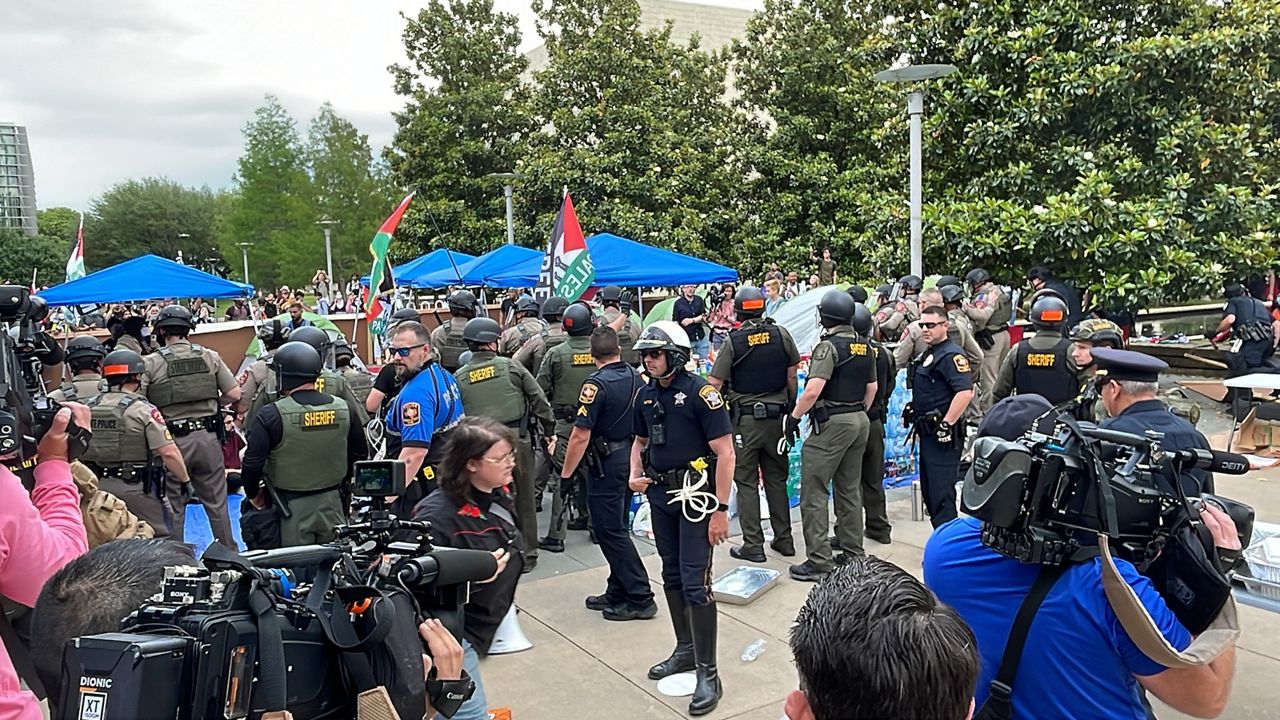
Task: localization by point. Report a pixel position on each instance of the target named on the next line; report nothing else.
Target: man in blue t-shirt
(428, 405)
(1078, 661)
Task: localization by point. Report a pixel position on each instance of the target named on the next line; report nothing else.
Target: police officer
(84, 355)
(447, 339)
(256, 378)
(1127, 385)
(1041, 279)
(756, 369)
(552, 335)
(329, 381)
(683, 428)
(131, 444)
(418, 420)
(528, 327)
(961, 327)
(1042, 364)
(502, 389)
(877, 526)
(909, 296)
(601, 439)
(842, 384)
(613, 299)
(130, 336)
(300, 450)
(188, 383)
(1085, 337)
(941, 388)
(990, 310)
(561, 376)
(358, 379)
(1254, 339)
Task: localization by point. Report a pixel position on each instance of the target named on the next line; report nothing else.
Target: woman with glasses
(474, 509)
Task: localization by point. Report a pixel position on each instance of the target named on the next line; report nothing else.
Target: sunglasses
(652, 353)
(404, 351)
(932, 325)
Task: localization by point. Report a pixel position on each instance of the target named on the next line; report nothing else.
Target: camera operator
(872, 642)
(38, 535)
(1127, 384)
(473, 509)
(1077, 661)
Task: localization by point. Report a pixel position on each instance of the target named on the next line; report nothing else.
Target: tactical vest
(312, 453)
(71, 393)
(575, 366)
(452, 348)
(553, 336)
(189, 379)
(847, 386)
(759, 359)
(360, 382)
(113, 444)
(1256, 328)
(1045, 372)
(1000, 308)
(884, 368)
(488, 390)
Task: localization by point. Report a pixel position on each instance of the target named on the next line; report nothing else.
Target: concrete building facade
(17, 180)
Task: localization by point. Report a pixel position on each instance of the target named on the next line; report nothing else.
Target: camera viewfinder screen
(374, 479)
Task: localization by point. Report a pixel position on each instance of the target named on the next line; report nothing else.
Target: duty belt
(672, 477)
(761, 410)
(612, 446)
(185, 426)
(563, 412)
(131, 474)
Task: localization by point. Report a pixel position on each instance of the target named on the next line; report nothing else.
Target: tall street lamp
(244, 253)
(508, 185)
(328, 246)
(915, 108)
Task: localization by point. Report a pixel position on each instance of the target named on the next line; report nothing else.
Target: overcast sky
(131, 88)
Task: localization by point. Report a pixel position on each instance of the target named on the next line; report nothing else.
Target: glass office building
(17, 180)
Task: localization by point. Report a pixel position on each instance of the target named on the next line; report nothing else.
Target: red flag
(380, 278)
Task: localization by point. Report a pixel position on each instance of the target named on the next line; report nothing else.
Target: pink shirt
(34, 544)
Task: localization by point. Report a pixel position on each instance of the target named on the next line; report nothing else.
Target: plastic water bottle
(753, 651)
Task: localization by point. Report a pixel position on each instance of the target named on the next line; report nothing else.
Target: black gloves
(790, 429)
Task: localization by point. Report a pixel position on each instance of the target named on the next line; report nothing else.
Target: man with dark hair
(93, 593)
(872, 642)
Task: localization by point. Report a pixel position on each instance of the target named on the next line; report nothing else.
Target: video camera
(1047, 496)
(216, 640)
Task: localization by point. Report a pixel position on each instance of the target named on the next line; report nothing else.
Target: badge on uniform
(711, 397)
(411, 413)
(928, 360)
(962, 363)
(980, 301)
(588, 393)
(680, 398)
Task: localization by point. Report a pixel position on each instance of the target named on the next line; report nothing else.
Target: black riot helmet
(342, 352)
(527, 307)
(174, 317)
(952, 294)
(748, 303)
(123, 365)
(911, 284)
(610, 296)
(1048, 312)
(313, 336)
(403, 315)
(85, 351)
(273, 333)
(1233, 290)
(462, 303)
(836, 308)
(978, 277)
(861, 320)
(296, 363)
(858, 293)
(553, 307)
(481, 331)
(945, 280)
(578, 320)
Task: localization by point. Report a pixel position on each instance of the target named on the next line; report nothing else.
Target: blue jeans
(701, 347)
(477, 708)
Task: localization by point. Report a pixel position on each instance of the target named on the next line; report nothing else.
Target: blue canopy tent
(144, 278)
(619, 261)
(481, 270)
(436, 260)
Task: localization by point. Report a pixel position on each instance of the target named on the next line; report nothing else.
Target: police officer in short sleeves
(684, 426)
(941, 388)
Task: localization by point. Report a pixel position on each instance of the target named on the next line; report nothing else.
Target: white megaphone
(509, 638)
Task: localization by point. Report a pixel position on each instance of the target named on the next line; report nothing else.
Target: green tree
(274, 207)
(635, 126)
(21, 254)
(151, 215)
(349, 187)
(465, 116)
(58, 222)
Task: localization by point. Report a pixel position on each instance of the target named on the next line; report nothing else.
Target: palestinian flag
(380, 279)
(567, 270)
(75, 263)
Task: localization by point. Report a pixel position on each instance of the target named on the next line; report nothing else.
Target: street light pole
(915, 109)
(508, 187)
(244, 253)
(328, 246)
